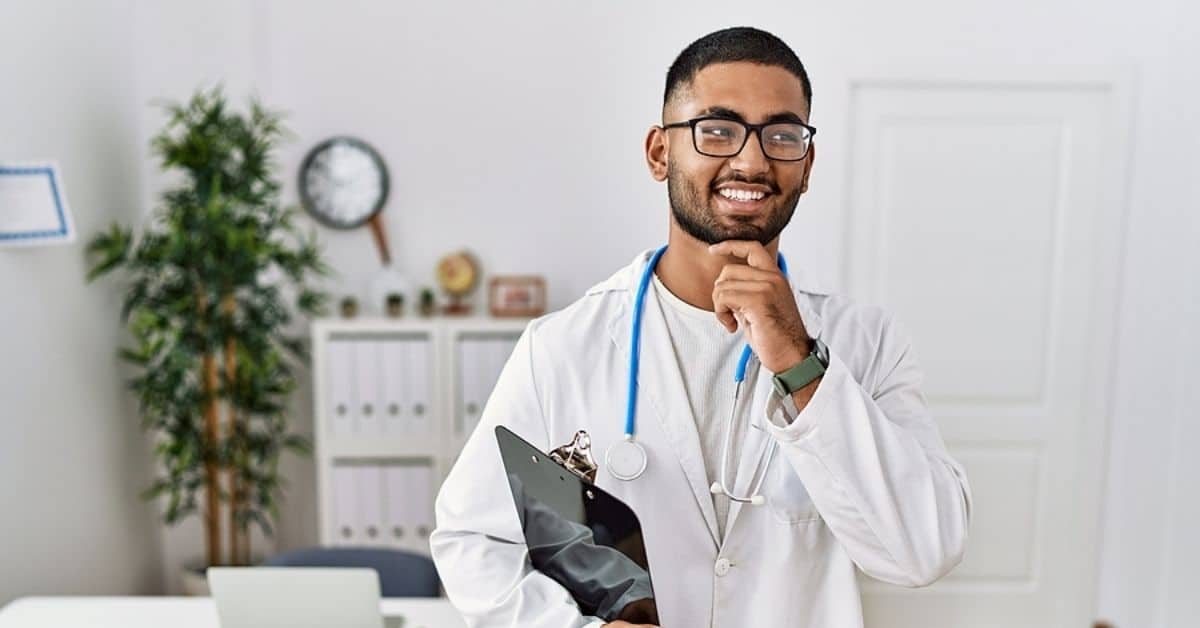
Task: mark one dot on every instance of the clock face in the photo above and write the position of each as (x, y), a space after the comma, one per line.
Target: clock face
(343, 182)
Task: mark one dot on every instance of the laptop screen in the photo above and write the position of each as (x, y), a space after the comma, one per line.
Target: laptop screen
(585, 539)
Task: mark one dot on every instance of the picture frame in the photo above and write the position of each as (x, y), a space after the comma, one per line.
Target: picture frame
(517, 296)
(35, 209)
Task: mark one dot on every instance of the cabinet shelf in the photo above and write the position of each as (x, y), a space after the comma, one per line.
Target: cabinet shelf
(394, 401)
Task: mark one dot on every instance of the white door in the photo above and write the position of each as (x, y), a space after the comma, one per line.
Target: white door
(986, 215)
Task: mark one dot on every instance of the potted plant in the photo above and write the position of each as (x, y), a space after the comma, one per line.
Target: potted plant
(206, 308)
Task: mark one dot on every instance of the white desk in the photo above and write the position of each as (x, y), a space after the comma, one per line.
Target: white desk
(183, 612)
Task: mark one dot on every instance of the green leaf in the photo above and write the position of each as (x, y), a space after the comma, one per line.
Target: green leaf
(112, 249)
(298, 444)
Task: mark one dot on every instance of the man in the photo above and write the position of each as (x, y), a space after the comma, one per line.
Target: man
(861, 479)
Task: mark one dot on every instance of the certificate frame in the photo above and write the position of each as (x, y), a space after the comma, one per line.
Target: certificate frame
(55, 208)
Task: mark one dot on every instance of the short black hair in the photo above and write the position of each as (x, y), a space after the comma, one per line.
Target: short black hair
(740, 43)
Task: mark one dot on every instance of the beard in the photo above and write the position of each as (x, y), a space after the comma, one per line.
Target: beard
(695, 213)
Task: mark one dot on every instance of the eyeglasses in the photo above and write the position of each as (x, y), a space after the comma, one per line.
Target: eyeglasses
(726, 137)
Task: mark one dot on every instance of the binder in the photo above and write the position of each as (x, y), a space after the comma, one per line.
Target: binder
(420, 384)
(366, 376)
(345, 506)
(469, 366)
(340, 401)
(399, 531)
(369, 479)
(498, 353)
(421, 505)
(394, 382)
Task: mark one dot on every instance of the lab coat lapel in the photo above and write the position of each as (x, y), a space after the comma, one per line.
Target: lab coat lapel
(754, 448)
(751, 411)
(660, 385)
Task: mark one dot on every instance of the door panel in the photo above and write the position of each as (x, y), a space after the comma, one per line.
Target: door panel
(983, 216)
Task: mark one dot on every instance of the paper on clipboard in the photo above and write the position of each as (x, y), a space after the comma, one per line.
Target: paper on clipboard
(33, 205)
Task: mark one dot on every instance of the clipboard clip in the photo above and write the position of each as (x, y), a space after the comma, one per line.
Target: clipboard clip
(576, 456)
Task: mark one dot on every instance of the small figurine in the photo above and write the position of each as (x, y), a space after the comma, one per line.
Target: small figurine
(349, 307)
(427, 305)
(458, 273)
(395, 304)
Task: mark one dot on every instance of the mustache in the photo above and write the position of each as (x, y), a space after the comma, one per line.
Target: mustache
(763, 180)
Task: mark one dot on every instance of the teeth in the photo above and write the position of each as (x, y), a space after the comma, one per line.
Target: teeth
(740, 195)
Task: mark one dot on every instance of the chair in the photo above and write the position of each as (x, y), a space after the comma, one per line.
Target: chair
(401, 573)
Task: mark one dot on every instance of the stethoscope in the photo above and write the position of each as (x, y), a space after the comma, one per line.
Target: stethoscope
(626, 458)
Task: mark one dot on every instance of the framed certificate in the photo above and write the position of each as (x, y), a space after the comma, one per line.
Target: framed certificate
(517, 296)
(33, 205)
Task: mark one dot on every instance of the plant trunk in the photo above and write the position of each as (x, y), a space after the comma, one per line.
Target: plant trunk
(229, 307)
(212, 432)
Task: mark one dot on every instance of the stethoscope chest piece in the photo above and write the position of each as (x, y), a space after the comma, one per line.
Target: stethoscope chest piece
(625, 459)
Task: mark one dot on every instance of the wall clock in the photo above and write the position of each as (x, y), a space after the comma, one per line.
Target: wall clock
(344, 185)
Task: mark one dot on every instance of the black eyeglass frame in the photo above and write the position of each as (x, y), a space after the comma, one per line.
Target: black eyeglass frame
(756, 129)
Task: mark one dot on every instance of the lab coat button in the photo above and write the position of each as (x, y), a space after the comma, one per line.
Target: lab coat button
(722, 567)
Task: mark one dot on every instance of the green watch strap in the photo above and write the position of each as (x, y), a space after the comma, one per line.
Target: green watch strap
(804, 373)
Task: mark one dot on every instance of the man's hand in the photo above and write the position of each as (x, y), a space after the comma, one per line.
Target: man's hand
(758, 295)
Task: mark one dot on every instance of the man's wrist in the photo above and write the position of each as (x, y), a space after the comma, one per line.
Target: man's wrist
(801, 351)
(803, 395)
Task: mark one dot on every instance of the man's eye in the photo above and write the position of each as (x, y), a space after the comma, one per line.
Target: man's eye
(785, 138)
(718, 132)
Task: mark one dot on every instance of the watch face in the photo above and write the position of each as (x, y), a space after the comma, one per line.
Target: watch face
(343, 182)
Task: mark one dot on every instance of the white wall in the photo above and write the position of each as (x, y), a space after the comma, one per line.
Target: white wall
(1148, 575)
(575, 85)
(72, 459)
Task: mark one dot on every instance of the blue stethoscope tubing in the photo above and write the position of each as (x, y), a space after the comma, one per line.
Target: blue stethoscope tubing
(627, 459)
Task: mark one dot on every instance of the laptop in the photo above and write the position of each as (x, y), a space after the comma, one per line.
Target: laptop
(577, 534)
(298, 597)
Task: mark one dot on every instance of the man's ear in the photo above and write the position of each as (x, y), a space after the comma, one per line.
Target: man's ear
(808, 163)
(656, 152)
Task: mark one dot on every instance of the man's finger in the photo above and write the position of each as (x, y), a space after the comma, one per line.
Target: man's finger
(727, 319)
(724, 312)
(730, 303)
(754, 253)
(741, 272)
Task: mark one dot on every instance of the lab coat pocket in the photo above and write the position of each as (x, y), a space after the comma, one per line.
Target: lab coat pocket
(786, 495)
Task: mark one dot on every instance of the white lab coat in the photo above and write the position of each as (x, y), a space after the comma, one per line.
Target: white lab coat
(861, 481)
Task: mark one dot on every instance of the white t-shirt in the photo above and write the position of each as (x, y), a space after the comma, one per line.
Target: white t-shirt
(707, 355)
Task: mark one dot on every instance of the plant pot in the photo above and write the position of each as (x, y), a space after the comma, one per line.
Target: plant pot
(195, 582)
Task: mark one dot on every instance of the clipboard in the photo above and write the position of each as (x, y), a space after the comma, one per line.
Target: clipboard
(582, 537)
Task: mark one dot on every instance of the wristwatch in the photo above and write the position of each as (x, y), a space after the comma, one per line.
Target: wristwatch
(805, 372)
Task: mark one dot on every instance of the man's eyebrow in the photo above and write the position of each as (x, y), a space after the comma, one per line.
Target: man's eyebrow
(725, 112)
(722, 112)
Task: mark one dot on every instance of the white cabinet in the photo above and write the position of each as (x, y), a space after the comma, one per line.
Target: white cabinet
(394, 401)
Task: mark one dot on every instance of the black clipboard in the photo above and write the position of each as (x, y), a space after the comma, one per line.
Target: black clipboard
(579, 535)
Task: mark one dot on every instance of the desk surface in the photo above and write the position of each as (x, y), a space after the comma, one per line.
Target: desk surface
(184, 612)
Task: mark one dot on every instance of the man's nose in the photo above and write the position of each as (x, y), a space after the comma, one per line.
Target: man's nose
(751, 160)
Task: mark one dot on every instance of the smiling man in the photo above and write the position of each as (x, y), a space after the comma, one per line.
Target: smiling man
(772, 437)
